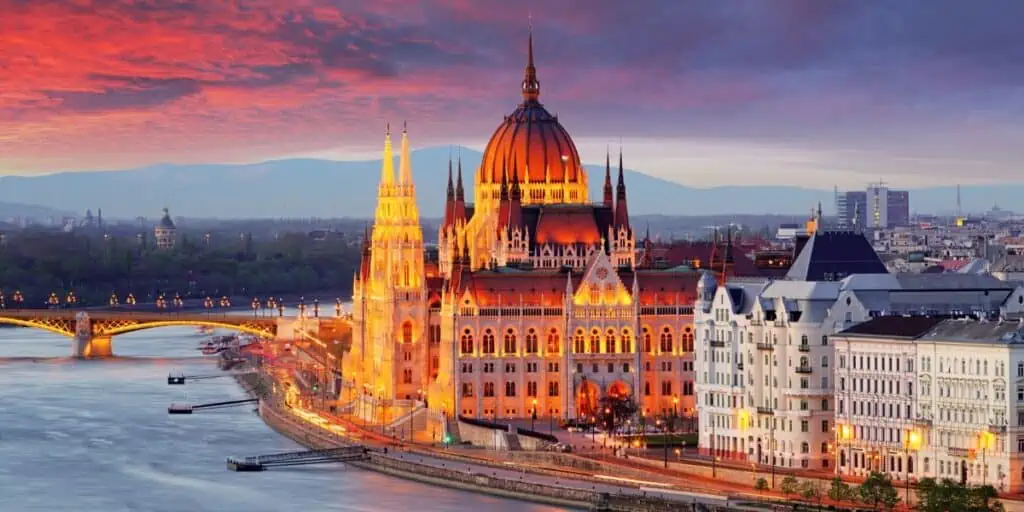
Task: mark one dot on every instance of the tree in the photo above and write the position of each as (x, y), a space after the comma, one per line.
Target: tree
(840, 490)
(761, 485)
(950, 496)
(878, 492)
(614, 410)
(810, 490)
(790, 485)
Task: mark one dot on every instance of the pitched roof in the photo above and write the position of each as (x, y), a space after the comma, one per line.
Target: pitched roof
(911, 327)
(833, 255)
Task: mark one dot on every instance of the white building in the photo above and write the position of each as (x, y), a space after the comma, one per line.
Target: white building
(765, 363)
(924, 397)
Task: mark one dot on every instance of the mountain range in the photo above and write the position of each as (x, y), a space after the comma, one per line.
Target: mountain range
(328, 188)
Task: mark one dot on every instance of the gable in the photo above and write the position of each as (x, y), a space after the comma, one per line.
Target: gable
(601, 285)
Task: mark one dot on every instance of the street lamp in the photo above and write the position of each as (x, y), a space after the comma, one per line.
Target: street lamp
(533, 419)
(302, 307)
(208, 303)
(316, 308)
(113, 300)
(255, 306)
(53, 300)
(3, 300)
(225, 302)
(71, 299)
(337, 307)
(130, 300)
(18, 299)
(178, 302)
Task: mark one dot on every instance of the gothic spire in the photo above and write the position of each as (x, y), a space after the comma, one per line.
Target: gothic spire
(451, 186)
(404, 160)
(387, 168)
(531, 87)
(459, 193)
(608, 178)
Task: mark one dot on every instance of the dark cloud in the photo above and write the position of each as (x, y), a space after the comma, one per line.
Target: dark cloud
(134, 93)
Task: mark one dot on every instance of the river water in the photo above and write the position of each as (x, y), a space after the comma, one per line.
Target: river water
(95, 435)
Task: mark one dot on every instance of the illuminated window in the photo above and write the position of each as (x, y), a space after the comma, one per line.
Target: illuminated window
(488, 342)
(578, 342)
(595, 342)
(466, 342)
(531, 341)
(407, 332)
(553, 342)
(510, 342)
(647, 340)
(488, 389)
(627, 342)
(609, 342)
(666, 341)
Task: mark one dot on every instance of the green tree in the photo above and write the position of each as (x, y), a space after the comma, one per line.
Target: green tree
(810, 490)
(790, 485)
(950, 496)
(877, 491)
(613, 410)
(761, 485)
(839, 490)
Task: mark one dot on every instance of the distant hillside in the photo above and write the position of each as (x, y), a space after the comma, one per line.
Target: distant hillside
(10, 210)
(325, 188)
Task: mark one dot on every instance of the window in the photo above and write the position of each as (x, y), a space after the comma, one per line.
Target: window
(407, 376)
(407, 332)
(488, 389)
(531, 342)
(467, 367)
(647, 389)
(666, 388)
(553, 388)
(510, 389)
(488, 342)
(553, 366)
(510, 342)
(824, 428)
(824, 340)
(531, 389)
(578, 343)
(595, 342)
(803, 340)
(531, 367)
(553, 342)
(488, 367)
(466, 342)
(627, 342)
(647, 340)
(467, 390)
(609, 342)
(510, 367)
(805, 448)
(804, 427)
(666, 341)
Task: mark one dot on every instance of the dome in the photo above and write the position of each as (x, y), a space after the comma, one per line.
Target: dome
(166, 222)
(532, 144)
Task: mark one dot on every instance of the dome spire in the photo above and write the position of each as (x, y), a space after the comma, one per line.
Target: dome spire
(531, 87)
(387, 168)
(404, 160)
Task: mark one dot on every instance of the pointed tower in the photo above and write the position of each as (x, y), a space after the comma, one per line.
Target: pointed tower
(449, 200)
(621, 211)
(608, 197)
(389, 307)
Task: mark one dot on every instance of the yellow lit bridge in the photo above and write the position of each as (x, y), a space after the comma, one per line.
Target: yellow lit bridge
(91, 331)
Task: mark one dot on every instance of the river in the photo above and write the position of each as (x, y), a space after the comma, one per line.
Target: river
(95, 435)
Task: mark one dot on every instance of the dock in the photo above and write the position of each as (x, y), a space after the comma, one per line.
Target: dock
(299, 458)
(176, 408)
(180, 379)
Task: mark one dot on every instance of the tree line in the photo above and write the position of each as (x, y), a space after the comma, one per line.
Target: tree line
(38, 263)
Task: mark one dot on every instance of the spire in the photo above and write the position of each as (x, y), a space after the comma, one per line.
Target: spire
(387, 168)
(404, 161)
(514, 191)
(459, 193)
(621, 210)
(607, 178)
(531, 87)
(451, 186)
(449, 202)
(504, 182)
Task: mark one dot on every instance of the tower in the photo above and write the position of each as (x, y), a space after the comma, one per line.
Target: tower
(389, 299)
(165, 232)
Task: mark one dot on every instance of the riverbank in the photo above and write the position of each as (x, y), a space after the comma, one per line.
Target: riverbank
(474, 478)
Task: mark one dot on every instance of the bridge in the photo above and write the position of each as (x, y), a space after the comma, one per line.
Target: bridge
(91, 331)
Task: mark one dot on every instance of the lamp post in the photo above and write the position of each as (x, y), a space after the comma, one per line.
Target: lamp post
(71, 300)
(113, 300)
(53, 301)
(178, 302)
(208, 304)
(337, 307)
(130, 300)
(18, 299)
(255, 306)
(533, 418)
(225, 302)
(316, 308)
(302, 307)
(3, 301)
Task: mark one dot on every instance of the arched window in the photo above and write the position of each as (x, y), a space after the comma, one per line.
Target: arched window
(531, 341)
(627, 342)
(647, 340)
(595, 342)
(803, 362)
(466, 342)
(609, 342)
(488, 347)
(666, 341)
(553, 342)
(804, 447)
(510, 342)
(578, 343)
(407, 332)
(803, 340)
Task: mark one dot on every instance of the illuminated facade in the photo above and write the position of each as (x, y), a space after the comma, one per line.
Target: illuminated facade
(536, 302)
(931, 398)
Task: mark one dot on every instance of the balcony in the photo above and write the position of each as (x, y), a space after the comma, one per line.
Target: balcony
(997, 429)
(923, 422)
(765, 346)
(763, 409)
(717, 343)
(739, 366)
(804, 348)
(802, 369)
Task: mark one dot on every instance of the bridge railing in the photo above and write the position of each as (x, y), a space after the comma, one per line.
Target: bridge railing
(136, 315)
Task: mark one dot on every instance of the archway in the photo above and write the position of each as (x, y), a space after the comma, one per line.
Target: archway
(618, 389)
(587, 396)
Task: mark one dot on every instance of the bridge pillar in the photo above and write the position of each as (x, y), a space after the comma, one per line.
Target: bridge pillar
(96, 346)
(85, 344)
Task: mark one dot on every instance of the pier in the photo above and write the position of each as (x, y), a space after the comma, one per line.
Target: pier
(299, 458)
(181, 379)
(189, 408)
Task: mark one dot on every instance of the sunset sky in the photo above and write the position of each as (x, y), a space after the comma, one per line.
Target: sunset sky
(815, 92)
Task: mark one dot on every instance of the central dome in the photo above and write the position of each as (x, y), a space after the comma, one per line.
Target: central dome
(532, 145)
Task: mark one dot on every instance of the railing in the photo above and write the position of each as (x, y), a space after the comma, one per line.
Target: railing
(763, 409)
(717, 343)
(997, 429)
(804, 348)
(923, 422)
(739, 366)
(802, 369)
(765, 346)
(666, 310)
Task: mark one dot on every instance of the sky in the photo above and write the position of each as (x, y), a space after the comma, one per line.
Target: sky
(804, 92)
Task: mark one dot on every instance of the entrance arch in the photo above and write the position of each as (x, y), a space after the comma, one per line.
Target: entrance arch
(619, 389)
(587, 396)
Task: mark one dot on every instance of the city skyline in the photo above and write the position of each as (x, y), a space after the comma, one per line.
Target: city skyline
(804, 93)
